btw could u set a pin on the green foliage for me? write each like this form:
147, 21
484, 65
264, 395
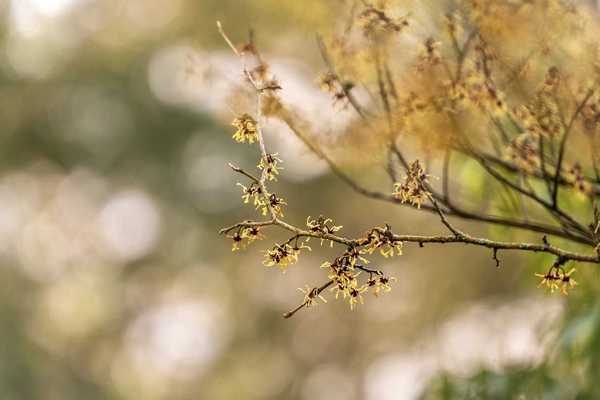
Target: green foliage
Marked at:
569, 372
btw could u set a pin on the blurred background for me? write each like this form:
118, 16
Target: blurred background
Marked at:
114, 282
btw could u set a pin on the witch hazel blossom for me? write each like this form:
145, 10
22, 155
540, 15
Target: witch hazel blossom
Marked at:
459, 98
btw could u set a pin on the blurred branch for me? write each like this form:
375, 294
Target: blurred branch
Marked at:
563, 144
345, 88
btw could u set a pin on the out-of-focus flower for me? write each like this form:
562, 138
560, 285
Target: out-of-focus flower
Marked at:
576, 178
376, 21
524, 153
247, 129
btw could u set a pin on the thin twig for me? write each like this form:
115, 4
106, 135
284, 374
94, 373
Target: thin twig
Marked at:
563, 144
319, 290
347, 91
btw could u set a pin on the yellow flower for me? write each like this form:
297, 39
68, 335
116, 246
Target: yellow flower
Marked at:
576, 178
380, 283
355, 295
523, 151
274, 203
354, 254
270, 165
567, 282
429, 54
310, 296
412, 190
245, 236
384, 240
341, 273
557, 279
390, 249
247, 130
322, 226
251, 234
253, 191
375, 21
237, 241
328, 82
282, 256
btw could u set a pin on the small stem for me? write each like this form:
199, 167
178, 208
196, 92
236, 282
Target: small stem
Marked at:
241, 171
291, 313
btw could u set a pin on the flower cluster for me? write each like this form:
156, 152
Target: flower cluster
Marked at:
355, 296
329, 83
523, 151
281, 255
379, 283
274, 203
544, 110
245, 236
527, 119
412, 103
247, 129
576, 178
541, 117
375, 21
384, 240
260, 70
252, 192
552, 80
322, 226
344, 272
343, 275
270, 165
591, 113
262, 203
412, 190
429, 54
479, 90
557, 279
